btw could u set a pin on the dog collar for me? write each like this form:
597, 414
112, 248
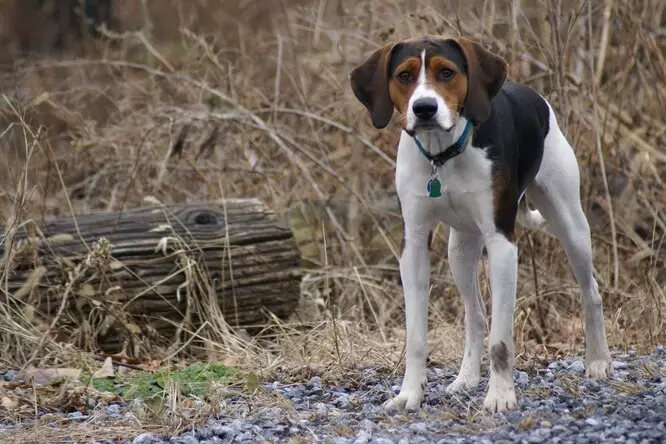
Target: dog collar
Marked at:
434, 186
454, 150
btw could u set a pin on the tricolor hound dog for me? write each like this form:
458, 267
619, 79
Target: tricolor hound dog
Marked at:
471, 148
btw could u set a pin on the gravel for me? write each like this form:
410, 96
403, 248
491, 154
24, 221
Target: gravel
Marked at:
557, 405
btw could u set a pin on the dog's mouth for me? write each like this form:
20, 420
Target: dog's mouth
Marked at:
427, 127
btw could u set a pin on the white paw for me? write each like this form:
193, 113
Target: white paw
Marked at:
599, 369
462, 384
500, 398
409, 400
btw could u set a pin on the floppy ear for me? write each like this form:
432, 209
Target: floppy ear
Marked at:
486, 74
370, 84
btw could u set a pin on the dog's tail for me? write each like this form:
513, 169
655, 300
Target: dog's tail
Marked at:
530, 219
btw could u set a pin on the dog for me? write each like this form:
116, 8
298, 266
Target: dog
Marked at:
473, 146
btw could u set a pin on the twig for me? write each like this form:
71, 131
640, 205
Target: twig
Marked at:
602, 164
122, 364
603, 44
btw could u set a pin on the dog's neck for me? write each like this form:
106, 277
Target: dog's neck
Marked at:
445, 145
437, 141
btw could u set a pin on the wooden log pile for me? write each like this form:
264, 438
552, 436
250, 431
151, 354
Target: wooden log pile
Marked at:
159, 274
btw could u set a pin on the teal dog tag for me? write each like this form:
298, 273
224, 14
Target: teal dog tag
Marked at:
434, 187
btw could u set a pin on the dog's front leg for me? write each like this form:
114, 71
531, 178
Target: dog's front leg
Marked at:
415, 275
503, 265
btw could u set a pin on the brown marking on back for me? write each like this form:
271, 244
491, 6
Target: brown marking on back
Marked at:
505, 201
499, 357
452, 91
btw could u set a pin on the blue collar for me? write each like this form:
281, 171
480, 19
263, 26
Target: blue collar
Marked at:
454, 150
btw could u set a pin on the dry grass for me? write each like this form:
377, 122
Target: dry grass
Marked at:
264, 89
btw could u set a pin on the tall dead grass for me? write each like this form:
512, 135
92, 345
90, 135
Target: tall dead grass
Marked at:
265, 87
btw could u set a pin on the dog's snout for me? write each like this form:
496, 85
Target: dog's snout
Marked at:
425, 108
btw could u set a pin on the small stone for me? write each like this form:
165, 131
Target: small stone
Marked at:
146, 438
367, 424
619, 365
188, 439
591, 385
593, 422
381, 440
222, 431
418, 427
370, 409
342, 401
245, 436
522, 378
621, 375
577, 367
203, 434
363, 437
9, 376
113, 410
75, 415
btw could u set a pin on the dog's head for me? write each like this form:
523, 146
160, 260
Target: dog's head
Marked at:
430, 81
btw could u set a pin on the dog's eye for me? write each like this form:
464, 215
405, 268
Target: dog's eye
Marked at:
405, 77
446, 74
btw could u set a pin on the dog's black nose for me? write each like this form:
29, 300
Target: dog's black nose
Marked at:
425, 108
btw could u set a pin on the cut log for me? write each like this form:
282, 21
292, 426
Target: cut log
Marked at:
161, 273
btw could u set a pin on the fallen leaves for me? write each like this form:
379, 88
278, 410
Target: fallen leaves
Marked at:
188, 389
44, 376
106, 371
8, 403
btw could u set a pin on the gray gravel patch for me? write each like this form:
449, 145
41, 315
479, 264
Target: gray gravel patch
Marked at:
557, 405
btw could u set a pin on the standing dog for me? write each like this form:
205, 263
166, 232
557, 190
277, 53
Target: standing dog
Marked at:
471, 148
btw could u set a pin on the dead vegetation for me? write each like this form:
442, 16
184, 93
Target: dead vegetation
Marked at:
262, 88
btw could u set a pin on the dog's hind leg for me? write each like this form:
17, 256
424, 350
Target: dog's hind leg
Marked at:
555, 192
464, 254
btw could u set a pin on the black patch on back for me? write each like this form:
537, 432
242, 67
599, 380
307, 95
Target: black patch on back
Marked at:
513, 136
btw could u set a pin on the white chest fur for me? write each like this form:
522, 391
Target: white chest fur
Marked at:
467, 197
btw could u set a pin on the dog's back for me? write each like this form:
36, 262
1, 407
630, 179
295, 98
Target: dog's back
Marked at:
515, 132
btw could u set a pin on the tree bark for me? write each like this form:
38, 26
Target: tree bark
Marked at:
145, 277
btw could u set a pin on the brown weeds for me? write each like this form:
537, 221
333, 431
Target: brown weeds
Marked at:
262, 90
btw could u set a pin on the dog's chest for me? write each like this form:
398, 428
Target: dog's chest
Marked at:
466, 188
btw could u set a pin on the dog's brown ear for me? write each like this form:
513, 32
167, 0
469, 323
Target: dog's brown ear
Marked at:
486, 74
370, 84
